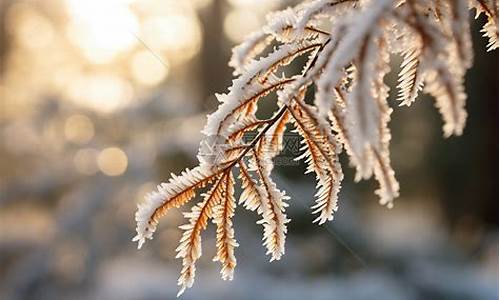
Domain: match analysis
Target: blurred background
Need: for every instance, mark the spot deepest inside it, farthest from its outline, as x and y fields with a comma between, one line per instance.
x=101, y=100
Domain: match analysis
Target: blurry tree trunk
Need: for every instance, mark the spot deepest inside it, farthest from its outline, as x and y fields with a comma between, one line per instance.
x=4, y=47
x=214, y=71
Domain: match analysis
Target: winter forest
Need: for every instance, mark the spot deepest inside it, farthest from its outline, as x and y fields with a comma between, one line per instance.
x=316, y=149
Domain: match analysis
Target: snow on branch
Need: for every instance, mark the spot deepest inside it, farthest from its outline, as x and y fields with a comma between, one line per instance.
x=347, y=45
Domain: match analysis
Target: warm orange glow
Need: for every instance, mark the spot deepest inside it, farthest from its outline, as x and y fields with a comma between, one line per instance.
x=78, y=129
x=263, y=5
x=112, y=161
x=101, y=29
x=104, y=92
x=179, y=35
x=147, y=69
x=30, y=28
x=239, y=23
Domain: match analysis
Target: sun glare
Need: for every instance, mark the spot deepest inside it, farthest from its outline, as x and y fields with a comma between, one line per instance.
x=105, y=93
x=101, y=29
x=179, y=35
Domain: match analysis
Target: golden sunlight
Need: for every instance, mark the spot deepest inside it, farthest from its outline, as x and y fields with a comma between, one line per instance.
x=102, y=30
x=78, y=129
x=112, y=161
x=177, y=34
x=105, y=93
x=239, y=22
x=147, y=70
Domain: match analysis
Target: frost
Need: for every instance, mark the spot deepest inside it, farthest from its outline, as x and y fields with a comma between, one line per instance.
x=346, y=65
